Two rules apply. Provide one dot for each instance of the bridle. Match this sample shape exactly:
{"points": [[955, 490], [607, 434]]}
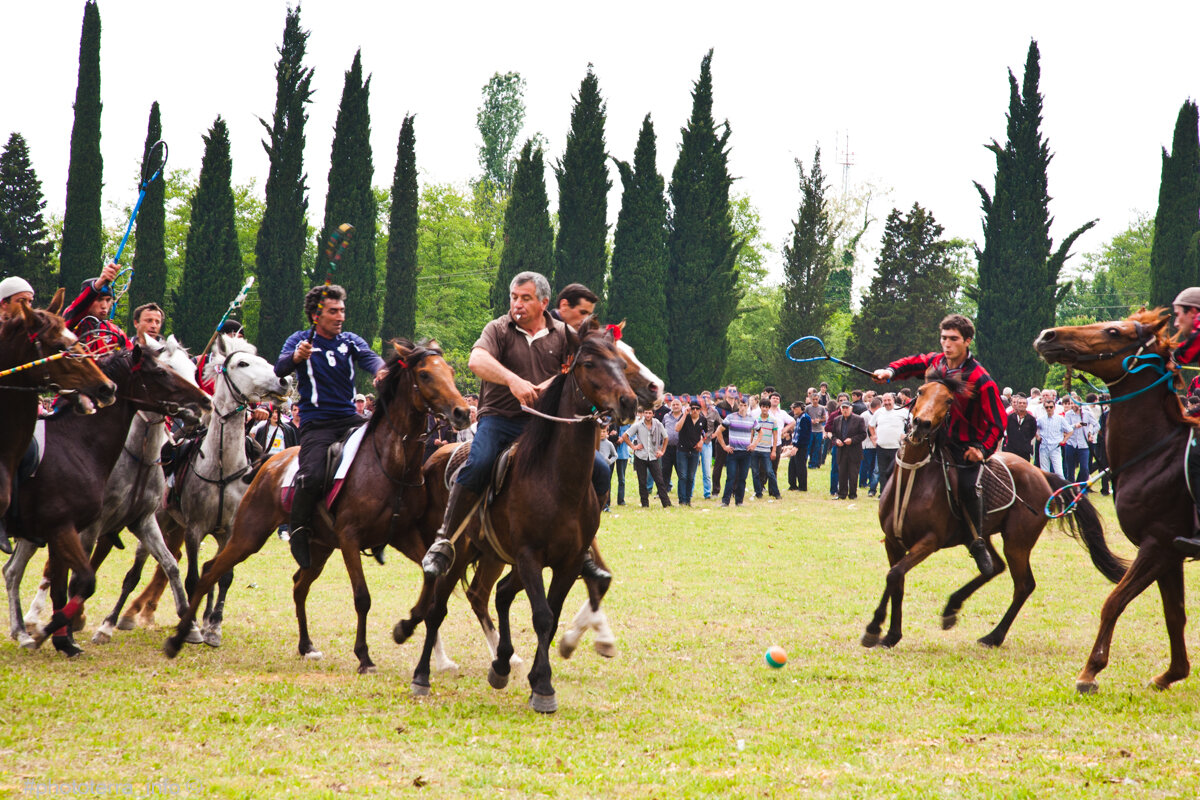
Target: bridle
{"points": [[47, 385], [598, 415]]}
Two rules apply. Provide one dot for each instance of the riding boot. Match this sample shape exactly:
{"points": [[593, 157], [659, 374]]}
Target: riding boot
{"points": [[440, 556], [5, 545], [591, 569], [973, 511], [304, 504]]}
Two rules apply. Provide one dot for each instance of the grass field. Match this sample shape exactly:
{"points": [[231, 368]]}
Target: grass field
{"points": [[687, 709]]}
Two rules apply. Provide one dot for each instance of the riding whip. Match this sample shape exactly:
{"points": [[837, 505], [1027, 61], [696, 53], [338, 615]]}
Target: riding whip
{"points": [[152, 168], [234, 305]]}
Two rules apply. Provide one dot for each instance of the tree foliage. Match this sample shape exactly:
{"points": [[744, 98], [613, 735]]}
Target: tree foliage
{"points": [[1174, 261], [400, 295], [528, 236], [499, 120], [82, 240], [25, 246], [702, 296], [149, 254], [1115, 279]]}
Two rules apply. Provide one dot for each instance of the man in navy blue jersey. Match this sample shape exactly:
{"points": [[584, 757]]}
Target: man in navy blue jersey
{"points": [[325, 358]]}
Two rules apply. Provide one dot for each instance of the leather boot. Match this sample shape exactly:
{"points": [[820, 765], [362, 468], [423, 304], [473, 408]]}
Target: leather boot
{"points": [[5, 545], [591, 569], [1189, 547], [304, 504], [973, 509], [440, 556]]}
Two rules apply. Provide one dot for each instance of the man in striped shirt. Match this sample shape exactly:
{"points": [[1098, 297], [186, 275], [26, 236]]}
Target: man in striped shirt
{"points": [[976, 421]]}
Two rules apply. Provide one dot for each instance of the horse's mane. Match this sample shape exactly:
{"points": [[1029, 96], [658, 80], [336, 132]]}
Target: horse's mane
{"points": [[1163, 345], [389, 389], [955, 385], [17, 321]]}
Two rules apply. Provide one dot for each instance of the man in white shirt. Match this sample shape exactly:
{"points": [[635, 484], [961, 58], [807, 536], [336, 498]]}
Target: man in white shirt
{"points": [[888, 426]]}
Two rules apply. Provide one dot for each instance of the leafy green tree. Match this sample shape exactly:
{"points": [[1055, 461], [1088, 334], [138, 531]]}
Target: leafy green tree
{"points": [[499, 120], [639, 258], [149, 255], [702, 296], [752, 341], [400, 302], [82, 241], [351, 199], [280, 244], [1018, 270], [528, 235], [909, 294], [25, 246], [807, 264], [1174, 263], [212, 267], [583, 184]]}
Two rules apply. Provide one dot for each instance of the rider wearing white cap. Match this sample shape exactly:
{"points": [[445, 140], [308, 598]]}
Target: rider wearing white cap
{"points": [[14, 290]]}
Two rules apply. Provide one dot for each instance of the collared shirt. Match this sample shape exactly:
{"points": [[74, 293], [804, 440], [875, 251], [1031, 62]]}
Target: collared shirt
{"points": [[652, 439], [768, 433], [976, 418], [326, 380], [533, 357], [692, 433], [668, 421], [1079, 436], [739, 430], [1053, 428]]}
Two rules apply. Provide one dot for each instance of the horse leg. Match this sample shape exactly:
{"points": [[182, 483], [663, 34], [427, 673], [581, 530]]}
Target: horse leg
{"points": [[542, 698], [66, 552], [14, 571], [1023, 586], [362, 602], [41, 599], [1144, 570], [141, 610], [214, 617], [895, 552], [955, 602], [486, 575], [433, 621], [104, 633], [1170, 586], [302, 582], [925, 547], [501, 666]]}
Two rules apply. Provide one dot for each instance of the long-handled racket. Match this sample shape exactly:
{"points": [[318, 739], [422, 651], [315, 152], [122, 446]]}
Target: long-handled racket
{"points": [[152, 168], [335, 248], [234, 305], [810, 348]]}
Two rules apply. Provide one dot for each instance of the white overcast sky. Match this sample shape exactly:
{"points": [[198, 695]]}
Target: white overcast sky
{"points": [[919, 87]]}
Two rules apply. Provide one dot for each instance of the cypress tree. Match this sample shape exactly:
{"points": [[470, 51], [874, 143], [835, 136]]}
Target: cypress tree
{"points": [[702, 295], [150, 254], [400, 302], [807, 262], [909, 294], [1018, 272], [350, 199], [583, 184], [639, 259], [528, 236], [212, 265], [25, 247], [83, 230], [1173, 260], [279, 248]]}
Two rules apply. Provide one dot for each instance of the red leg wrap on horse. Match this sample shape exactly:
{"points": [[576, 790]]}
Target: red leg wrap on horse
{"points": [[72, 607]]}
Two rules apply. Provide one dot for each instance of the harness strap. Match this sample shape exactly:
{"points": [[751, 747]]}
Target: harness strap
{"points": [[900, 509]]}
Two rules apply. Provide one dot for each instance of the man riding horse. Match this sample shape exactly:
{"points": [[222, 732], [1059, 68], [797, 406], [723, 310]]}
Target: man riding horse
{"points": [[516, 357], [326, 386], [976, 419], [87, 316], [1187, 322]]}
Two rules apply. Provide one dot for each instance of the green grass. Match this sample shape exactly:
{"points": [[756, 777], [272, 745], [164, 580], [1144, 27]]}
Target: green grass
{"points": [[699, 595]]}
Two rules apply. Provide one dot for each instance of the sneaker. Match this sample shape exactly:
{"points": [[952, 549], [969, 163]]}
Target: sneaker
{"points": [[725, 504], [871, 493]]}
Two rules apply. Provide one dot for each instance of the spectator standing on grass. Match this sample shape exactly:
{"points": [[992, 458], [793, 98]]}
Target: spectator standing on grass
{"points": [[647, 439], [713, 421], [669, 421], [608, 450], [889, 423], [1020, 429], [868, 471], [763, 448], [727, 403], [691, 430], [798, 461], [785, 422], [847, 432], [621, 463], [1077, 457], [817, 416], [1052, 434], [734, 436]]}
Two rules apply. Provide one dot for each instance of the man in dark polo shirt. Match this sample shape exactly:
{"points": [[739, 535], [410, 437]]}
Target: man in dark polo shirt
{"points": [[515, 357]]}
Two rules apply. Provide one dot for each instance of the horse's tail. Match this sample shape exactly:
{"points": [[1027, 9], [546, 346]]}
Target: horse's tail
{"points": [[1084, 523]]}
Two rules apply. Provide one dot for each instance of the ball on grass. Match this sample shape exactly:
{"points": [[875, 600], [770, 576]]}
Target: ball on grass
{"points": [[775, 656]]}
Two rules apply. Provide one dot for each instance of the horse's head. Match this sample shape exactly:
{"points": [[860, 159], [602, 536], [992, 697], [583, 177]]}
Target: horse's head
{"points": [[932, 405], [242, 376], [40, 334], [645, 384], [1102, 347], [599, 370], [150, 385], [175, 356], [423, 367]]}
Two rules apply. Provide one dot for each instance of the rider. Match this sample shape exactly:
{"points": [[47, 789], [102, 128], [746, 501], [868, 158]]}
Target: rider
{"points": [[516, 357], [326, 386], [87, 316], [1187, 322], [976, 419], [14, 290]]}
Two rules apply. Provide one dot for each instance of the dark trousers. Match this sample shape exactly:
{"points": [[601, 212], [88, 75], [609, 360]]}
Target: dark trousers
{"points": [[833, 467], [641, 468], [719, 459], [620, 468], [315, 439], [668, 463], [887, 463], [764, 474], [735, 486], [798, 470], [849, 456], [816, 441]]}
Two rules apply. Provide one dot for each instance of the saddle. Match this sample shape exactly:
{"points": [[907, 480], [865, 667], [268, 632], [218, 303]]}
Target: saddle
{"points": [[999, 488], [338, 459], [499, 474]]}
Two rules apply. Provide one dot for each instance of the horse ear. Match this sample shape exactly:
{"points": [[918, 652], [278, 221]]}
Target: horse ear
{"points": [[137, 354], [220, 345], [573, 340], [56, 302], [30, 317], [589, 326]]}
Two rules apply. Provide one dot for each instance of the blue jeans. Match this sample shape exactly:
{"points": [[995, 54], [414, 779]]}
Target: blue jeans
{"points": [[1077, 462], [867, 467], [764, 474], [494, 435], [815, 442], [685, 469], [706, 457], [833, 469], [737, 464]]}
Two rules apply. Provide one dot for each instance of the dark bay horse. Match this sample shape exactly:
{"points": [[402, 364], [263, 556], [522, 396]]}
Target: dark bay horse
{"points": [[917, 519], [67, 493], [383, 489], [547, 514], [1147, 437]]}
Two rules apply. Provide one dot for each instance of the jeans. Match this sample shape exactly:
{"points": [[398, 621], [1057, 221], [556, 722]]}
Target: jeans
{"points": [[1077, 462], [764, 473], [686, 462], [867, 468], [706, 455], [815, 442], [1050, 457], [737, 464], [833, 468], [494, 435]]}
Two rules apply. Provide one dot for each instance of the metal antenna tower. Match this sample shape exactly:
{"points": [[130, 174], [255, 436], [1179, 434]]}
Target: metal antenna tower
{"points": [[846, 159]]}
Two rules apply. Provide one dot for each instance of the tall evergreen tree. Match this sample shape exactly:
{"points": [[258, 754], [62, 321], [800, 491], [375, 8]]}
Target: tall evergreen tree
{"points": [[1174, 264], [702, 296], [639, 259], [150, 254], [583, 184], [1018, 271], [528, 236], [25, 247], [909, 294], [83, 230], [350, 199], [807, 262], [400, 301], [499, 120], [212, 264], [279, 248]]}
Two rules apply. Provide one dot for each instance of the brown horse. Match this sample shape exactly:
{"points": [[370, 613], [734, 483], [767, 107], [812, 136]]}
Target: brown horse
{"points": [[383, 489], [917, 519], [1146, 444], [546, 516], [67, 493]]}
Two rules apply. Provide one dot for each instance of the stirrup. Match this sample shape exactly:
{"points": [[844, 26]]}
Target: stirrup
{"points": [[439, 558], [591, 569]]}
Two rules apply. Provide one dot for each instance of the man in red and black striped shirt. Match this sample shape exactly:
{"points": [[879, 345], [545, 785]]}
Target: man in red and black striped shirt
{"points": [[976, 422], [1187, 322]]}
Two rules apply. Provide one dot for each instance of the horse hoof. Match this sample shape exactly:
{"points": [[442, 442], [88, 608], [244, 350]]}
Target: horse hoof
{"points": [[419, 690], [1086, 687], [1161, 684], [543, 703], [870, 639], [988, 641], [367, 669], [313, 655], [39, 638], [515, 661], [25, 641], [566, 648], [606, 649], [170, 648], [401, 631], [100, 637], [145, 620], [212, 638], [126, 624], [496, 680], [195, 635], [949, 621], [68, 648]]}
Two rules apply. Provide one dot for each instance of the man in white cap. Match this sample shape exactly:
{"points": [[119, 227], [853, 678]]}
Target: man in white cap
{"points": [[13, 290], [1187, 322]]}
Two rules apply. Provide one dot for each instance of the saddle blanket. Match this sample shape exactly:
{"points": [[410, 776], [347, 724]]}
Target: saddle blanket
{"points": [[32, 459], [287, 485]]}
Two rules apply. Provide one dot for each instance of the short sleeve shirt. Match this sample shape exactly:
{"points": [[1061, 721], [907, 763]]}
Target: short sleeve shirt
{"points": [[533, 358], [768, 433]]}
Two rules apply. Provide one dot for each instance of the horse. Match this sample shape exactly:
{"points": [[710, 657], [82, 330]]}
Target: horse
{"points": [[1146, 444], [382, 488], [67, 493], [546, 516], [917, 519]]}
